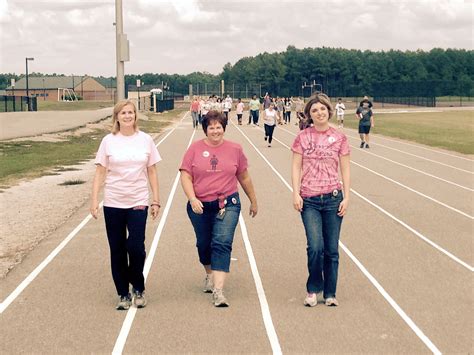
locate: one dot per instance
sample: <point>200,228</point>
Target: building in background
<point>59,88</point>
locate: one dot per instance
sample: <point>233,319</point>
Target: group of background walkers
<point>211,170</point>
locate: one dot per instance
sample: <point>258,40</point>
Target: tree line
<point>339,71</point>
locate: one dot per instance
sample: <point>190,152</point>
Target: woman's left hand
<point>343,207</point>
<point>155,210</point>
<point>253,209</point>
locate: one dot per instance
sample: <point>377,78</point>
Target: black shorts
<point>364,129</point>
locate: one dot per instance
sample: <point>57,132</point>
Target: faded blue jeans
<point>215,235</point>
<point>322,226</point>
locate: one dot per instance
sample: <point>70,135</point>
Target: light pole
<point>122,50</point>
<point>27,89</point>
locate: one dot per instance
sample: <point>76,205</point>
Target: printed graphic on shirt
<point>214,161</point>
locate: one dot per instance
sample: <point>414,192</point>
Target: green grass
<point>451,130</point>
<point>72,105</point>
<point>31,159</point>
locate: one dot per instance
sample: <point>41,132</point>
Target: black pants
<point>127,254</point>
<point>269,132</point>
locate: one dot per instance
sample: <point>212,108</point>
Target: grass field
<point>72,105</point>
<point>31,159</point>
<point>452,130</point>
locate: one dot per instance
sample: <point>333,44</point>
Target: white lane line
<point>374,282</point>
<point>414,169</point>
<point>417,156</point>
<point>127,323</point>
<point>413,190</point>
<point>411,229</point>
<point>418,234</point>
<point>405,166</point>
<point>420,147</point>
<point>267,318</point>
<point>24,284</point>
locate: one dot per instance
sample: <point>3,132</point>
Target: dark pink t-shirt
<point>214,169</point>
<point>321,152</point>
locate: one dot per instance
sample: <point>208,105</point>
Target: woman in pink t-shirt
<point>126,162</point>
<point>210,171</point>
<point>318,151</point>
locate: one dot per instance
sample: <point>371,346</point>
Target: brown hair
<point>117,108</point>
<point>322,99</point>
<point>215,116</point>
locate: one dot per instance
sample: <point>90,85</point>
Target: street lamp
<point>26,60</point>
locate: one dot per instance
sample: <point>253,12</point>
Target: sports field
<point>405,276</point>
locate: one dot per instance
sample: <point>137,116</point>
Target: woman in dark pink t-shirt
<point>210,171</point>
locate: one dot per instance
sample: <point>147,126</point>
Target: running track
<point>405,276</point>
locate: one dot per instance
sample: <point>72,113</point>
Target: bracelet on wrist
<point>192,199</point>
<point>155,204</point>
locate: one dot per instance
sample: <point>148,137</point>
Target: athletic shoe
<point>139,299</point>
<point>362,144</point>
<point>331,302</point>
<point>218,298</point>
<point>207,284</point>
<point>311,300</point>
<point>366,145</point>
<point>124,303</point>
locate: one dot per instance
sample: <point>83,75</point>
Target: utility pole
<point>122,50</point>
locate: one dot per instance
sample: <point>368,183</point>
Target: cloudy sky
<point>183,36</point>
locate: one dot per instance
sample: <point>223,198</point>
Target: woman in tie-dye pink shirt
<point>319,152</point>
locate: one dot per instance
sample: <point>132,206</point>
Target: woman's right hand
<point>297,202</point>
<point>94,209</point>
<point>196,206</point>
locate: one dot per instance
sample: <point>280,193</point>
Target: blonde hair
<point>322,99</point>
<point>117,108</point>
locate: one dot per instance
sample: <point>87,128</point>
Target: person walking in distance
<point>239,110</point>
<point>318,152</point>
<point>195,108</point>
<point>126,161</point>
<point>270,120</point>
<point>340,109</point>
<point>254,108</point>
<point>366,121</point>
<point>210,170</point>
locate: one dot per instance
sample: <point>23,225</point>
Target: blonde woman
<point>126,162</point>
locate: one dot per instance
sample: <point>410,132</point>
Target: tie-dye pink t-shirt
<point>321,152</point>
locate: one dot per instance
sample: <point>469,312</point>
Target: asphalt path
<point>27,124</point>
<point>405,274</point>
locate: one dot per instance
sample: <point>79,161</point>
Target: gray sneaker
<point>208,286</point>
<point>124,303</point>
<point>139,299</point>
<point>218,298</point>
<point>331,302</point>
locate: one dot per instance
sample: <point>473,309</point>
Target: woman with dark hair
<point>210,170</point>
<point>322,200</point>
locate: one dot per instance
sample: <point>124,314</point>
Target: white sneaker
<point>218,298</point>
<point>332,302</point>
<point>208,286</point>
<point>311,300</point>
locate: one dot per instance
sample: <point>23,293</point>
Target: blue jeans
<point>255,114</point>
<point>127,253</point>
<point>195,116</point>
<point>214,235</point>
<point>322,226</point>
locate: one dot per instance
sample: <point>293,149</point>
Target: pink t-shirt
<point>214,169</point>
<point>321,152</point>
<point>126,159</point>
